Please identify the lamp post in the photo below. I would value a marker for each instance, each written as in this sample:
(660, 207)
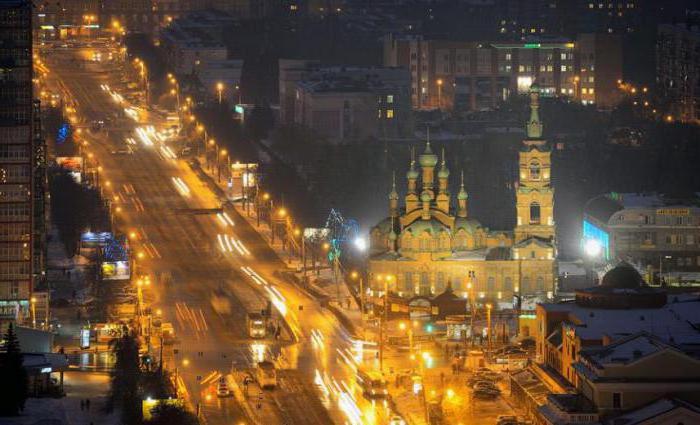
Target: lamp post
(220, 90)
(488, 325)
(33, 301)
(218, 168)
(439, 84)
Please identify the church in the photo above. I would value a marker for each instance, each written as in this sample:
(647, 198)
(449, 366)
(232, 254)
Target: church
(428, 247)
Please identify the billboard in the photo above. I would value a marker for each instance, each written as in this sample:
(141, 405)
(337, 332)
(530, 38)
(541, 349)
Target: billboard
(74, 165)
(115, 270)
(595, 241)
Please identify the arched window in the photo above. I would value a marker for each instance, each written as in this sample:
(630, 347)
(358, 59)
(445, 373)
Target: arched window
(491, 285)
(535, 170)
(408, 282)
(425, 284)
(540, 284)
(534, 213)
(526, 285)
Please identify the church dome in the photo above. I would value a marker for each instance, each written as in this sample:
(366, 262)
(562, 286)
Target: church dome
(462, 195)
(443, 173)
(468, 224)
(624, 276)
(425, 196)
(432, 226)
(428, 158)
(412, 174)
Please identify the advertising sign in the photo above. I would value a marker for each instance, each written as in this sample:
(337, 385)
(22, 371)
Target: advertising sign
(74, 165)
(85, 338)
(116, 270)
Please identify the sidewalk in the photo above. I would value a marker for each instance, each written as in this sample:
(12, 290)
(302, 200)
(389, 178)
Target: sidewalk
(78, 386)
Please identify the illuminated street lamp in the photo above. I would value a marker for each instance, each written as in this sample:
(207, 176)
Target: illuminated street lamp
(33, 301)
(439, 84)
(219, 90)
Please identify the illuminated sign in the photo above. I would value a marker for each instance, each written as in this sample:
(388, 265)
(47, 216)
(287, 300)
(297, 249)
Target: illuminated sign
(85, 338)
(673, 211)
(47, 27)
(115, 270)
(532, 45)
(593, 235)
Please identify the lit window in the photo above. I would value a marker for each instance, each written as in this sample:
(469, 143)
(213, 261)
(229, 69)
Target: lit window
(521, 68)
(293, 7)
(584, 90)
(590, 91)
(390, 98)
(550, 68)
(508, 56)
(380, 113)
(389, 113)
(563, 56)
(563, 68)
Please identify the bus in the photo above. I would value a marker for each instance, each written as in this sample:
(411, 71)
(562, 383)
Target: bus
(256, 325)
(372, 383)
(266, 374)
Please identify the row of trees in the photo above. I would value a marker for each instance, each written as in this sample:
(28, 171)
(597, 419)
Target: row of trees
(132, 382)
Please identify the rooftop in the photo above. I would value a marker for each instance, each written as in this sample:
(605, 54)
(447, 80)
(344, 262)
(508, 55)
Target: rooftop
(678, 322)
(626, 350)
(651, 411)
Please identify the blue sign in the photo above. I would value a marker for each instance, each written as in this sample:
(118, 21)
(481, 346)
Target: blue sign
(591, 232)
(63, 132)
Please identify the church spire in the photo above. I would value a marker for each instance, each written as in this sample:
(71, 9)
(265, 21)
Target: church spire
(443, 197)
(462, 197)
(534, 125)
(393, 197)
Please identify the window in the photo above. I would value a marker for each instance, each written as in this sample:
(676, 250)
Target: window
(408, 281)
(563, 68)
(491, 284)
(617, 400)
(534, 170)
(390, 98)
(508, 284)
(508, 56)
(540, 284)
(534, 213)
(389, 114)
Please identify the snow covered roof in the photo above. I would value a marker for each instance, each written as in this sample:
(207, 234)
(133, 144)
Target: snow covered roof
(652, 410)
(627, 350)
(676, 322)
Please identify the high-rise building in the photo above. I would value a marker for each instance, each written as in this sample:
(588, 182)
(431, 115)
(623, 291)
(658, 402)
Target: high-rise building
(22, 166)
(678, 68)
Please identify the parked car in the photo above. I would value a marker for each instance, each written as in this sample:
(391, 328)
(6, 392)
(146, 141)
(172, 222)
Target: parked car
(507, 420)
(485, 394)
(397, 420)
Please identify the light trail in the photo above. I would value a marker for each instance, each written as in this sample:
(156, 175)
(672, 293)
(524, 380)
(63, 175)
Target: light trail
(181, 187)
(228, 219)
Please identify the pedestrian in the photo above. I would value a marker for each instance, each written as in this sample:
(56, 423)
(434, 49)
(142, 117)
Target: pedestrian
(87, 404)
(82, 404)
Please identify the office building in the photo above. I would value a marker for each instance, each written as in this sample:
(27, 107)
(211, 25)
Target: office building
(428, 246)
(659, 234)
(678, 69)
(22, 166)
(473, 75)
(348, 103)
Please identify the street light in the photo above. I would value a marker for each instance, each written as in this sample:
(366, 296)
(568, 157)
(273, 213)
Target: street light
(220, 89)
(33, 301)
(439, 84)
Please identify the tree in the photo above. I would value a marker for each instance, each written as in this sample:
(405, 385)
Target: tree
(126, 377)
(168, 414)
(14, 388)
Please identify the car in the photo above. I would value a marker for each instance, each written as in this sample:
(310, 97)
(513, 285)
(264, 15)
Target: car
(485, 395)
(507, 420)
(397, 420)
(222, 389)
(122, 151)
(485, 385)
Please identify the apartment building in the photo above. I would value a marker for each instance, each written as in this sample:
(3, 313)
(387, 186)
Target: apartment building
(472, 75)
(678, 69)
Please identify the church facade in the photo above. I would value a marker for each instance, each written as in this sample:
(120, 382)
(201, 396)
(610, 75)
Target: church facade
(427, 246)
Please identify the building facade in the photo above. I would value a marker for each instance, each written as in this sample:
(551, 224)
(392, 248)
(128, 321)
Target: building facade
(22, 166)
(657, 233)
(469, 76)
(427, 246)
(348, 103)
(678, 69)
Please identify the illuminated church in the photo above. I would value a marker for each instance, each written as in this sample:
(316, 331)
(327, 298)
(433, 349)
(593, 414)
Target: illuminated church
(427, 246)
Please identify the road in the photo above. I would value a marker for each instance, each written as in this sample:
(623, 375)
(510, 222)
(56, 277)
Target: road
(154, 196)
